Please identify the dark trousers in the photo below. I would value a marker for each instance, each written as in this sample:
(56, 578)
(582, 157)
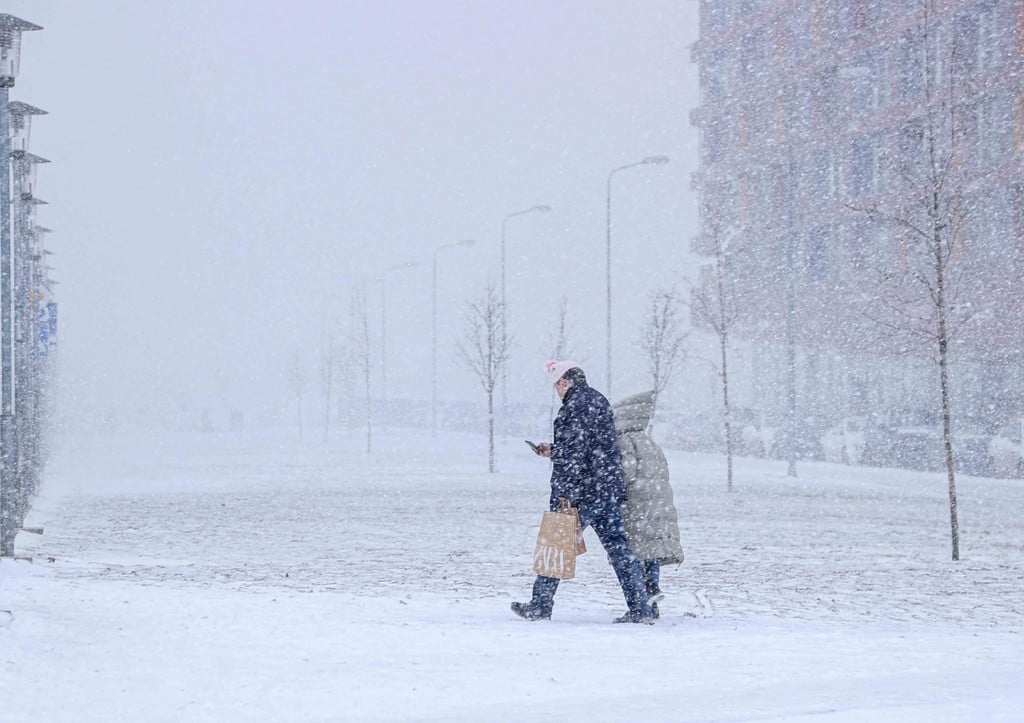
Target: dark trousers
(652, 576)
(607, 523)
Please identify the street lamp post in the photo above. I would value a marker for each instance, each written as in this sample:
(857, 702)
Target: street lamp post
(650, 160)
(433, 352)
(11, 29)
(24, 211)
(542, 208)
(25, 238)
(384, 337)
(39, 335)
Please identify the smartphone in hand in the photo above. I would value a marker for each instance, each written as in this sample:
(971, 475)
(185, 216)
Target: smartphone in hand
(534, 447)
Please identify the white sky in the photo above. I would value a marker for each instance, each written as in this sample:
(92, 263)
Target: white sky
(224, 173)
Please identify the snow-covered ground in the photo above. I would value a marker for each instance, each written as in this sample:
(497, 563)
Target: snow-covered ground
(255, 578)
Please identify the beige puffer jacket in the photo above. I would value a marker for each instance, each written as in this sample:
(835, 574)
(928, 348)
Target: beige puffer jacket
(649, 514)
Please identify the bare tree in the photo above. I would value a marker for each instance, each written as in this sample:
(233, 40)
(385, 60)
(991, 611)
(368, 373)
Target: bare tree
(331, 355)
(663, 341)
(921, 294)
(297, 382)
(715, 303)
(362, 349)
(484, 349)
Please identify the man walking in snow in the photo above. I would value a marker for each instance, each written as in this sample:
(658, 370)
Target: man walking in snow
(586, 469)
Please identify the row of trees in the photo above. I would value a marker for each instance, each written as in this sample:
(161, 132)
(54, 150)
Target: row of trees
(347, 359)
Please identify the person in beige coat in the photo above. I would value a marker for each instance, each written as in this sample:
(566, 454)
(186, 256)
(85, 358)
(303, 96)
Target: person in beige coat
(649, 512)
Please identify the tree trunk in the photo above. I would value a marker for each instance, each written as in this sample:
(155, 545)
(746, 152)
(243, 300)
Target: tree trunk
(947, 433)
(369, 415)
(298, 401)
(723, 339)
(790, 364)
(327, 415)
(490, 430)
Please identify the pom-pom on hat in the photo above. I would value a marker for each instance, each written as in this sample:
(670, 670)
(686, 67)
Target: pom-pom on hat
(556, 369)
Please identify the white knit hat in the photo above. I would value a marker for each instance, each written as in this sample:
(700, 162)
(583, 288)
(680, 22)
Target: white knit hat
(556, 369)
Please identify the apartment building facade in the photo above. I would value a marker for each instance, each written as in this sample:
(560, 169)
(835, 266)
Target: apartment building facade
(811, 111)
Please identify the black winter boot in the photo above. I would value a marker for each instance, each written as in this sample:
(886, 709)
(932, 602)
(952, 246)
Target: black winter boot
(530, 611)
(646, 617)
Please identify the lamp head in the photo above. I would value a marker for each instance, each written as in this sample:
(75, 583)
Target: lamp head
(11, 29)
(21, 124)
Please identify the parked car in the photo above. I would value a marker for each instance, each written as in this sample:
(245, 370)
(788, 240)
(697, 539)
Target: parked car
(757, 434)
(1006, 450)
(807, 434)
(845, 441)
(918, 447)
(970, 451)
(913, 440)
(904, 438)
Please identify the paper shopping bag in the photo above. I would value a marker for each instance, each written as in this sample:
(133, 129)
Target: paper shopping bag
(581, 544)
(555, 554)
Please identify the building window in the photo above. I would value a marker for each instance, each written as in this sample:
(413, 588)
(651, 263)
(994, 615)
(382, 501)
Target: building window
(986, 133)
(818, 255)
(712, 137)
(750, 57)
(911, 66)
(816, 24)
(778, 34)
(823, 113)
(1018, 125)
(779, 129)
(965, 46)
(1002, 112)
(862, 85)
(990, 45)
(715, 77)
(1017, 220)
(746, 198)
(936, 58)
(800, 108)
(743, 128)
(863, 175)
(765, 196)
(911, 146)
(1019, 26)
(800, 30)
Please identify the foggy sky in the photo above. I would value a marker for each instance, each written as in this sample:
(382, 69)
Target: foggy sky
(226, 173)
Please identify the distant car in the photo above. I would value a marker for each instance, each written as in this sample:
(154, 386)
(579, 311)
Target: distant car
(755, 432)
(700, 432)
(845, 441)
(907, 438)
(1006, 450)
(971, 451)
(807, 434)
(913, 440)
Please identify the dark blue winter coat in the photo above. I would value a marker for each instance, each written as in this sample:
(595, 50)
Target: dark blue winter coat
(586, 466)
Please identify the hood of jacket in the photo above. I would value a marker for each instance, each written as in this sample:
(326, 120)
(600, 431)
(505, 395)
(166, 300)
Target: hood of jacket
(633, 414)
